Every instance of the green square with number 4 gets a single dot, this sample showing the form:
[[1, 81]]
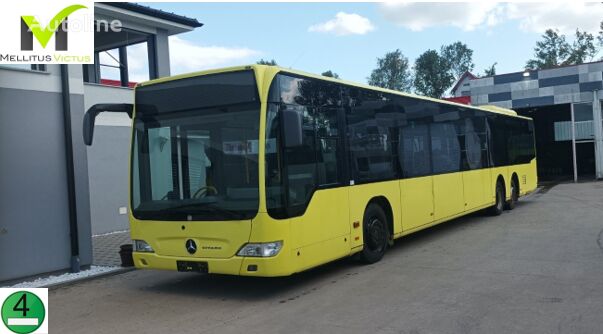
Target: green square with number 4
[[23, 312]]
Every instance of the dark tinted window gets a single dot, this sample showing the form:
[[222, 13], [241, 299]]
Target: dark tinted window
[[498, 140], [415, 142], [275, 195], [319, 160], [511, 140], [329, 144], [197, 93], [300, 161], [414, 149], [387, 136], [445, 148], [372, 119], [473, 139], [520, 141]]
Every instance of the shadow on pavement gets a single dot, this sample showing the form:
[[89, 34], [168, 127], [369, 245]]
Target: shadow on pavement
[[225, 287]]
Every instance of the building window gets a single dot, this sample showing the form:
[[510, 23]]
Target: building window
[[138, 62], [122, 58], [110, 67], [32, 67], [124, 66]]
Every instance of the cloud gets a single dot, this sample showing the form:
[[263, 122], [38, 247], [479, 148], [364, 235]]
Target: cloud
[[530, 17], [537, 17], [344, 24], [186, 56], [418, 16]]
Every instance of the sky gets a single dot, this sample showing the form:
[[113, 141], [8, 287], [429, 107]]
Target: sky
[[347, 38]]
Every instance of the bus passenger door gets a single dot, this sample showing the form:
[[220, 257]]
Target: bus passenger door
[[448, 196], [476, 178], [473, 187], [416, 195], [448, 192], [416, 189], [317, 181]]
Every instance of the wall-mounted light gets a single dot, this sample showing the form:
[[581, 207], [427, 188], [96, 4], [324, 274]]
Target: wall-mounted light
[[526, 74]]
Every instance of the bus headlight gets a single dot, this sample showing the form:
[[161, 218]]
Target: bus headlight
[[267, 249], [142, 246]]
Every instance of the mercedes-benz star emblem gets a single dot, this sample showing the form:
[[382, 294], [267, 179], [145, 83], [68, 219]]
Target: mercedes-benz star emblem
[[191, 246]]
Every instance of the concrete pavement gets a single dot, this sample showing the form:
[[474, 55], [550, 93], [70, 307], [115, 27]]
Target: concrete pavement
[[536, 269]]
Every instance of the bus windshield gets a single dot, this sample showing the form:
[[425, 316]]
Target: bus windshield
[[195, 149]]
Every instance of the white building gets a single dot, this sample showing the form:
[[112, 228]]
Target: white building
[[54, 191]]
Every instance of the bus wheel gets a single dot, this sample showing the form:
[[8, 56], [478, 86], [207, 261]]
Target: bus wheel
[[375, 234], [510, 205], [499, 205]]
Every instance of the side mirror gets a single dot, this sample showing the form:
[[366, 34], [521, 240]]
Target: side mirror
[[90, 116], [292, 128]]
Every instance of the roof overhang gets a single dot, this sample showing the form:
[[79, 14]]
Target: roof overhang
[[144, 18]]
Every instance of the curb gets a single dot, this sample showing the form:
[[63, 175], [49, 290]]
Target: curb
[[115, 272]]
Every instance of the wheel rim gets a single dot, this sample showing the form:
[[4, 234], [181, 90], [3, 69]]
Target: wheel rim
[[375, 235], [499, 201]]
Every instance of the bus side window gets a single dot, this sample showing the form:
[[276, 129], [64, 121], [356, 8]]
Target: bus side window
[[498, 140], [328, 136], [415, 153], [445, 148], [520, 146], [372, 135], [301, 161], [473, 132], [274, 181]]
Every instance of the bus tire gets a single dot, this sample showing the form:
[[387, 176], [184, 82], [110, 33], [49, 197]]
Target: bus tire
[[375, 234], [511, 203], [499, 204]]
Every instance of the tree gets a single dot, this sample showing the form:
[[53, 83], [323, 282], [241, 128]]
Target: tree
[[583, 49], [330, 74], [459, 57], [435, 72], [392, 72], [554, 50], [490, 71], [267, 62], [432, 74], [551, 51]]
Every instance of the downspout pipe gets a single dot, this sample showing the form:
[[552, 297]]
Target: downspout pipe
[[73, 231]]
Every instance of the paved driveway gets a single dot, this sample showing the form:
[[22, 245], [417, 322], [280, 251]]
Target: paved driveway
[[537, 269]]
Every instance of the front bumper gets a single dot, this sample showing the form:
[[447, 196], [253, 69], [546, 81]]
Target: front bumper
[[236, 265]]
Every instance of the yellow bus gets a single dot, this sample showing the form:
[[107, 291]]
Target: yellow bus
[[265, 171]]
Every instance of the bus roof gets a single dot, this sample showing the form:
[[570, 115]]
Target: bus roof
[[264, 68]]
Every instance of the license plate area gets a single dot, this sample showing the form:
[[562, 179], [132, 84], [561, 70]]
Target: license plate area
[[192, 266]]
